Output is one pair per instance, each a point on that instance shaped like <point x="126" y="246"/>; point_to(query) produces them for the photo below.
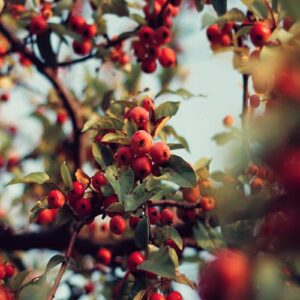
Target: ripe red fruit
<point x="152" y="52"/>
<point x="45" y="216"/>
<point x="157" y="296"/>
<point x="4" y="97"/>
<point x="207" y="203"/>
<point x="162" y="35"/>
<point x="160" y="153"/>
<point x="82" y="48"/>
<point x="77" y="23"/>
<point x="37" y="25"/>
<point x="134" y="260"/>
<point x="256" y="184"/>
<point x="228" y="121"/>
<point x="133" y="221"/>
<point x="124" y="156"/>
<point x="89" y="288"/>
<point x="148" y="103"/>
<point x="253" y="169"/>
<point x="191" y="194"/>
<point x="225" y="40"/>
<point x="174" y="295"/>
<point x="166" y="216"/>
<point x="78" y="189"/>
<point x="9" y="270"/>
<point x="104" y="256"/>
<point x="99" y="180"/>
<point x="149" y="65"/>
<point x="61" y="117"/>
<point x="2" y="272"/>
<point x="117" y="225"/>
<point x="56" y="199"/>
<point x="154" y="215"/>
<point x="5" y="293"/>
<point x="213" y="33"/>
<point x="146" y="34"/>
<point x="226" y="278"/>
<point x="139" y="50"/>
<point x="260" y="33"/>
<point x="139" y="115"/>
<point x="254" y="101"/>
<point x="89" y="30"/>
<point x="83" y="207"/>
<point x="141" y="166"/>
<point x="141" y="142"/>
<point x="167" y="57"/>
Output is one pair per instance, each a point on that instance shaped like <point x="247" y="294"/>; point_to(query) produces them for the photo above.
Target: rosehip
<point x="134" y="260"/>
<point x="124" y="156"/>
<point x="260" y="33"/>
<point x="38" y="25"/>
<point x="174" y="295"/>
<point x="154" y="215"/>
<point x="166" y="216"/>
<point x="167" y="57"/>
<point x="117" y="225"/>
<point x="56" y="199"/>
<point x="141" y="166"/>
<point x="141" y="142"/>
<point x="160" y="153"/>
<point x="83" y="207"/>
<point x="99" y="180"/>
<point x="104" y="256"/>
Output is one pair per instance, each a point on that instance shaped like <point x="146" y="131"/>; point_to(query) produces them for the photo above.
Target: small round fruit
<point x="4" y="97"/>
<point x="253" y="169"/>
<point x="38" y="25"/>
<point x="5" y="293"/>
<point x="162" y="35"/>
<point x="78" y="189"/>
<point x="167" y="57"/>
<point x="117" y="225"/>
<point x="225" y="40"/>
<point x="157" y="296"/>
<point x="256" y="184"/>
<point x="166" y="216"/>
<point x="207" y="203"/>
<point x="2" y="272"/>
<point x="191" y="194"/>
<point x="61" y="117"/>
<point x="9" y="270"/>
<point x="55" y="199"/>
<point x="149" y="65"/>
<point x="141" y="142"/>
<point x="82" y="47"/>
<point x="134" y="260"/>
<point x="146" y="34"/>
<point x="83" y="207"/>
<point x="228" y="121"/>
<point x="160" y="153"/>
<point x="260" y="33"/>
<point x="148" y="103"/>
<point x="154" y="215"/>
<point x="89" y="30"/>
<point x="45" y="216"/>
<point x="213" y="33"/>
<point x="254" y="101"/>
<point x="99" y="180"/>
<point x="141" y="166"/>
<point x="174" y="295"/>
<point x="104" y="256"/>
<point x="89" y="288"/>
<point x="124" y="156"/>
<point x="139" y="115"/>
<point x="77" y="23"/>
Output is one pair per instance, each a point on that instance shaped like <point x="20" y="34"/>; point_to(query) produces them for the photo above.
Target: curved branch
<point x="174" y="203"/>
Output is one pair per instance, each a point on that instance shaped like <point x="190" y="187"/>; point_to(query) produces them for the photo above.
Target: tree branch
<point x="174" y="203"/>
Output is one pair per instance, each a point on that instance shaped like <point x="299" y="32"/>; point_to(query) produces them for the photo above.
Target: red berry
<point x="141" y="166"/>
<point x="167" y="57"/>
<point x="99" y="180"/>
<point x="207" y="203"/>
<point x="166" y="216"/>
<point x="4" y="97"/>
<point x="154" y="215"/>
<point x="2" y="272"/>
<point x="38" y="25"/>
<point x="89" y="288"/>
<point x="78" y="189"/>
<point x="82" y="48"/>
<point x="134" y="260"/>
<point x="104" y="256"/>
<point x="77" y="23"/>
<point x="149" y="65"/>
<point x="123" y="59"/>
<point x="225" y="40"/>
<point x="162" y="35"/>
<point x="139" y="50"/>
<point x="148" y="103"/>
<point x="139" y="115"/>
<point x="141" y="142"/>
<point x="89" y="30"/>
<point x="133" y="222"/>
<point x="213" y="33"/>
<point x="160" y="153"/>
<point x="9" y="270"/>
<point x="256" y="184"/>
<point x="260" y="34"/>
<point x="117" y="225"/>
<point x="227" y="28"/>
<point x="83" y="207"/>
<point x="152" y="52"/>
<point x="228" y="121"/>
<point x="174" y="295"/>
<point x="45" y="217"/>
<point x="146" y="34"/>
<point x="56" y="199"/>
<point x="124" y="156"/>
<point x="61" y="117"/>
<point x="254" y="101"/>
<point x="157" y="296"/>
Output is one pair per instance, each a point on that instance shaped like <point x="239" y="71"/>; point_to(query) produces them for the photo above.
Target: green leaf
<point x="292" y="8"/>
<point x="170" y="131"/>
<point x="168" y="232"/>
<point x="127" y="180"/>
<point x="33" y="292"/>
<point x="16" y="282"/>
<point x="202" y="163"/>
<point x="138" y="19"/>
<point x="36" y="177"/>
<point x="141" y="234"/>
<point x="64" y="216"/>
<point x="217" y="176"/>
<point x="54" y="261"/>
<point x="199" y="5"/>
<point x="207" y="238"/>
<point x="225" y="137"/>
<point x="233" y="15"/>
<point x="166" y="109"/>
<point x="104" y="122"/>
<point x="66" y="176"/>
<point x="182" y="279"/>
<point x="160" y="263"/>
<point x="220" y="6"/>
<point x="177" y="146"/>
<point x="117" y="207"/>
<point x="184" y="93"/>
<point x="117" y="7"/>
<point x="180" y="172"/>
<point x="207" y="20"/>
<point x="258" y="7"/>
<point x="119" y="138"/>
<point x="102" y="155"/>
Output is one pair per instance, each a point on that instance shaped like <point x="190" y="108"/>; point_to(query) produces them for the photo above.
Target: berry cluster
<point x="117" y="54"/>
<point x="174" y="295"/>
<point x="220" y="36"/>
<point x="7" y="270"/>
<point x="153" y="38"/>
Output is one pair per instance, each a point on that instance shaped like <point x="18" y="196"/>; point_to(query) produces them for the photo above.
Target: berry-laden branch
<point x="174" y="203"/>
<point x="64" y="265"/>
<point x="71" y="105"/>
